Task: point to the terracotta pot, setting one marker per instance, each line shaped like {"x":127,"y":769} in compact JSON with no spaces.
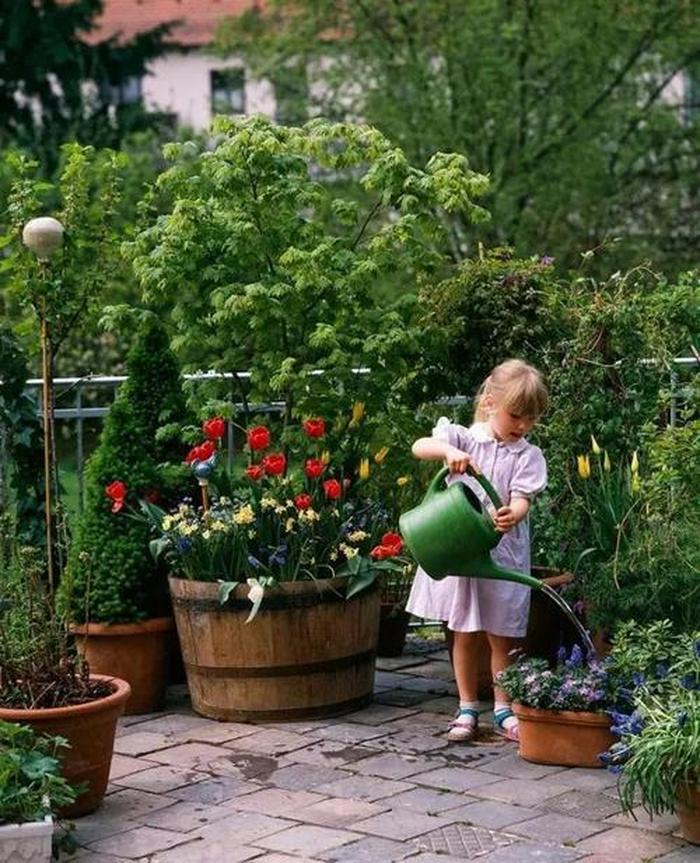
{"x":393,"y":628}
{"x":688,"y":811}
{"x":89,"y":728}
{"x":564,"y":737}
{"x":135,"y":652}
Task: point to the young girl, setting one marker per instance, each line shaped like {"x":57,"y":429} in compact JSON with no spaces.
{"x":509,"y":402}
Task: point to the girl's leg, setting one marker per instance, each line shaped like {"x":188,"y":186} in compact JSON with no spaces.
{"x":501,"y":645}
{"x":465,"y":663}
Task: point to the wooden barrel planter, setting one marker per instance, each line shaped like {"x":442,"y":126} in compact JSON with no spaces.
{"x":308,"y":653}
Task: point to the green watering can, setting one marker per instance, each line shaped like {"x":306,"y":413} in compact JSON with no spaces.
{"x":450,"y":533}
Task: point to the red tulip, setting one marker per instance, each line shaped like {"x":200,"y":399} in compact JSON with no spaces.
{"x":315,"y":427}
{"x":214,"y":428}
{"x":393,"y":541}
{"x":259,"y":438}
{"x":152,"y":495}
{"x":303,"y":501}
{"x":380,"y":552}
{"x":201,"y":453}
{"x":116,"y":492}
{"x":254,"y":472}
{"x":332,"y":489}
{"x":274,"y":464}
{"x":314,"y":467}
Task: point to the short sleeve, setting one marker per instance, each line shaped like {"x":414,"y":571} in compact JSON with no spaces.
{"x":453,"y":434}
{"x":530,"y":475}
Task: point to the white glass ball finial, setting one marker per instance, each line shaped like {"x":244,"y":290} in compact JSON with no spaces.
{"x":43,"y":236}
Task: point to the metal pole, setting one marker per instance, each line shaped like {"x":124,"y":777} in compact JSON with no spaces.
{"x":47,"y":401}
{"x":79,"y":442}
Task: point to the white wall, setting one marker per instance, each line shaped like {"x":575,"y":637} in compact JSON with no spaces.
{"x":179,"y":83}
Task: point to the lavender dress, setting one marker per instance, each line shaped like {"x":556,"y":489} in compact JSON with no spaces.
{"x":472,"y":604}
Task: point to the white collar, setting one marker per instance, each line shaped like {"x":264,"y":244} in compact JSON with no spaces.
{"x":483,"y":434}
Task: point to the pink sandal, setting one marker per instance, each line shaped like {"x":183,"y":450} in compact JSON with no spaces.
{"x":499,"y":718}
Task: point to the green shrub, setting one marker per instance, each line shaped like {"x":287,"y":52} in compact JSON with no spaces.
{"x":111,"y":575}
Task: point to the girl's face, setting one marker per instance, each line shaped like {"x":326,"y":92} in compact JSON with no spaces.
{"x":506,"y":425}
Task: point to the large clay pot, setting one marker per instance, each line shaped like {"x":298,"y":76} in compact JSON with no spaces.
{"x":309,"y":652}
{"x":135,"y":652}
{"x":564,"y":737}
{"x":688,"y":811}
{"x":89,"y":729}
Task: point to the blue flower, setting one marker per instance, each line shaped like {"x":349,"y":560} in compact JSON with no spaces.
{"x":690,"y":681}
{"x":682,"y":718}
{"x":661,"y":670}
{"x":279,"y":555}
{"x":184,"y":545}
{"x":254,"y":562}
{"x":638,"y":678}
{"x":696,"y":648}
{"x":561,"y":654}
{"x":636,"y":723}
{"x":576,"y":658}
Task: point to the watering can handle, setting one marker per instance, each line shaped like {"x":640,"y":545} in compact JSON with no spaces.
{"x":437,"y":482}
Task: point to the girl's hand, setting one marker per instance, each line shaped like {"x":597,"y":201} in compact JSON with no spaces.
{"x":504,"y":519}
{"x":458,"y":461}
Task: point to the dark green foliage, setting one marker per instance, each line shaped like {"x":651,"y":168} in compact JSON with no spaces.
{"x":111,"y":574}
{"x":31,"y":785}
{"x":21,"y":465}
{"x":43,"y":45}
{"x":496,"y":306}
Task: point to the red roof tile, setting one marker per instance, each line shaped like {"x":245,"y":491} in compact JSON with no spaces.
{"x":197,"y":18}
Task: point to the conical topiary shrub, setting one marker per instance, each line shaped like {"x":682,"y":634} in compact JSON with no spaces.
{"x":111,"y":575}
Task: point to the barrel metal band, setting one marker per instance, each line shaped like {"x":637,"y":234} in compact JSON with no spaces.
{"x":320,"y":667}
{"x":270,"y":603}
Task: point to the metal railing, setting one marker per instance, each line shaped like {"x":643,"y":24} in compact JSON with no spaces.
{"x":78,"y":412}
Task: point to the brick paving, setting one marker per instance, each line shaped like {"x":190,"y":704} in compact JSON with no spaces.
{"x":381,"y":784}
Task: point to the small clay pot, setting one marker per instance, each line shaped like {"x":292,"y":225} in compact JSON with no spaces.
{"x":688,"y":811}
{"x":565,"y":737}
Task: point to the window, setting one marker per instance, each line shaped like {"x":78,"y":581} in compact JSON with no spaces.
{"x":126,"y":92}
{"x":291,"y":94}
{"x":228,"y":91}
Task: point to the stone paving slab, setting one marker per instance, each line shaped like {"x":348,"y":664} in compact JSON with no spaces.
{"x":380,"y":785}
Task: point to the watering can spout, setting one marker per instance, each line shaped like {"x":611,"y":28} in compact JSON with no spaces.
{"x":450,"y":533}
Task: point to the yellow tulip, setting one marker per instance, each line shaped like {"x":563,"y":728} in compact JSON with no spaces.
{"x":584,"y":466}
{"x":358,"y":411}
{"x":325,"y":456}
{"x":364,"y":468}
{"x":606,"y":462}
{"x":381,"y":454}
{"x":634,"y":466}
{"x":594,"y":446}
{"x":402,"y":480}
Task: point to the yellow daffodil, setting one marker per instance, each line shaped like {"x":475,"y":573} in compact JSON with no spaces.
{"x":594,"y":446}
{"x":381,"y":454}
{"x":584,"y":466}
{"x":289,"y":525}
{"x":244,"y":515}
{"x":402,"y":480}
{"x":167,"y":522}
{"x":357,"y":536}
{"x":634,"y":465}
{"x":606,"y":462}
{"x":636,"y":485}
{"x":348,"y":550}
{"x":363,"y":470}
{"x":358,"y":412}
{"x":325,"y":456}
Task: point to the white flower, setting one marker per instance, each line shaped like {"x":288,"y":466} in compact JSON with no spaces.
{"x":168,"y":522}
{"x":244,"y":515}
{"x":348,"y":550}
{"x":268,"y":503}
{"x":357,"y":536}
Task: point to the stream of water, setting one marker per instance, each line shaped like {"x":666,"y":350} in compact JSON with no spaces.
{"x":575,"y":622}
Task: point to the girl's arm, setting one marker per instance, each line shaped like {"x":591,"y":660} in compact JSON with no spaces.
{"x":508,"y":516}
{"x":431,"y":448}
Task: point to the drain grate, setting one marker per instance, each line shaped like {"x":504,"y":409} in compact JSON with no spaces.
{"x":461,"y":840}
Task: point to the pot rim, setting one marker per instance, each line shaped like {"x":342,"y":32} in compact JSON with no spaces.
{"x":121,"y":692}
{"x":545,"y":714}
{"x":319,"y":585}
{"x":141,"y":627}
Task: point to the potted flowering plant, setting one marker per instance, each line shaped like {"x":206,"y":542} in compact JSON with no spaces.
{"x":562,"y":710}
{"x":291,"y":552}
{"x":657,"y":756}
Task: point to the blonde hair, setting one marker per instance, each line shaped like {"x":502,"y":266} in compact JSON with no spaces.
{"x":515,"y":385}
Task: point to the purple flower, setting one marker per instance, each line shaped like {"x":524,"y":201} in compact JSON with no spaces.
{"x":561,"y":654}
{"x":690,"y":681}
{"x":576,"y":657}
{"x":546,"y":260}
